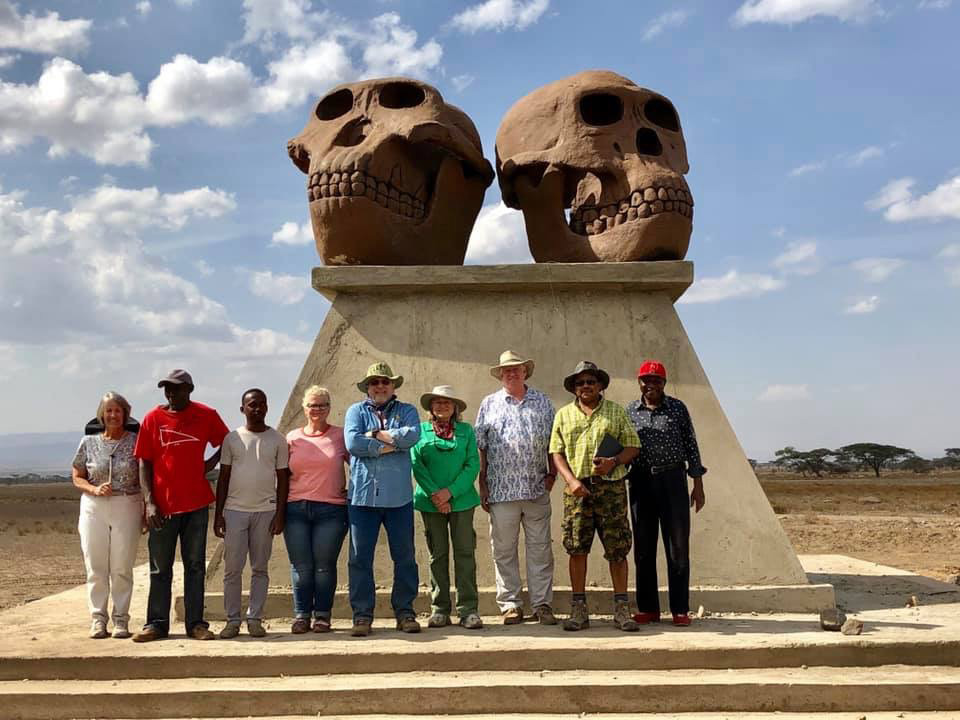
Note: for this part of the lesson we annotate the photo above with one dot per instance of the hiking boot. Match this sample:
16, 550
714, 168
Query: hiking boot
361, 627
645, 618
121, 630
622, 619
513, 616
471, 621
579, 617
98, 630
438, 620
300, 626
148, 634
543, 614
230, 630
682, 620
200, 632
408, 624
255, 628
322, 625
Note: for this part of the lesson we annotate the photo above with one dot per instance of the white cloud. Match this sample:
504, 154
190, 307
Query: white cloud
863, 306
220, 91
305, 72
290, 233
462, 82
807, 168
950, 251
664, 21
862, 156
7, 60
788, 12
184, 3
498, 237
800, 258
279, 288
144, 7
781, 393
731, 285
877, 270
263, 20
953, 275
46, 34
500, 15
934, 4
203, 267
392, 49
899, 204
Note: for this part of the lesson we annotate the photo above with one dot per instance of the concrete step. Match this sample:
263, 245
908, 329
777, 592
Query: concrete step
814, 689
891, 715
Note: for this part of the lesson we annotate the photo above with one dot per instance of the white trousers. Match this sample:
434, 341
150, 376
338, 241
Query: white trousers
109, 535
506, 519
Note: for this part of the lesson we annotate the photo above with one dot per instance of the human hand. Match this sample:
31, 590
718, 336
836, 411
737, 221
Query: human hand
219, 526
385, 437
577, 488
386, 449
484, 492
441, 497
604, 466
105, 490
154, 519
444, 508
276, 525
549, 481
697, 497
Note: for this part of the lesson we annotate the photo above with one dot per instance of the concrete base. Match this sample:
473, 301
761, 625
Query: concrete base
449, 324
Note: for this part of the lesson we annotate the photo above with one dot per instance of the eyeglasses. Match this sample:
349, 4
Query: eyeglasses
379, 381
587, 381
318, 406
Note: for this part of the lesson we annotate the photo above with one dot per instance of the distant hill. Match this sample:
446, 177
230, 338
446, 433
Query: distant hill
38, 452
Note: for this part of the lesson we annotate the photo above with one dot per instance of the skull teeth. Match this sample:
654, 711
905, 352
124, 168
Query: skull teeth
639, 204
348, 182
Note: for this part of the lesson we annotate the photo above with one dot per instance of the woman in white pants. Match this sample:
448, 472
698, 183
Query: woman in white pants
111, 515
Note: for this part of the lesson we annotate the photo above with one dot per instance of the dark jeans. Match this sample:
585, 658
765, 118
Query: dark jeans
661, 500
314, 534
365, 525
191, 529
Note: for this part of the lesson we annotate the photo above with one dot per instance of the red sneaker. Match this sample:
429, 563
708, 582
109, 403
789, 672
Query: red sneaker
645, 618
682, 620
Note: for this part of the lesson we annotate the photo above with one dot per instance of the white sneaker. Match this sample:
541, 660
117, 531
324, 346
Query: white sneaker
98, 630
121, 630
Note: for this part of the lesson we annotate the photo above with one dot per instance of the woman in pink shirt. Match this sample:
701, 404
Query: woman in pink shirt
316, 522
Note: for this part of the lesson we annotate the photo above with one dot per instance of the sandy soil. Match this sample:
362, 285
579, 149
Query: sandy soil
915, 526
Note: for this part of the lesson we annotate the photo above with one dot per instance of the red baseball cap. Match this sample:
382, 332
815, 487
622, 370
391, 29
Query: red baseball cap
652, 367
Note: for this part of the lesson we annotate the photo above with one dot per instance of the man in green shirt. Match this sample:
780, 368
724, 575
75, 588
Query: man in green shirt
595, 498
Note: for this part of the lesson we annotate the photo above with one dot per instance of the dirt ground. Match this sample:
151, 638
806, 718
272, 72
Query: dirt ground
907, 522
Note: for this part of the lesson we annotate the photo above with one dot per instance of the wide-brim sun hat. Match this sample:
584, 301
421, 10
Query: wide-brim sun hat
508, 358
445, 392
379, 369
585, 366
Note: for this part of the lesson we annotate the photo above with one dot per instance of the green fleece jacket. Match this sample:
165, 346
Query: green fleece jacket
439, 463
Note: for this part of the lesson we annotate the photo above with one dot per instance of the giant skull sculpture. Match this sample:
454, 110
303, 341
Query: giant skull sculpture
609, 151
395, 176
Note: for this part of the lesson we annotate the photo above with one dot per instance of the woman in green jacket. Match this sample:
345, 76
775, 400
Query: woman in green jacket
445, 466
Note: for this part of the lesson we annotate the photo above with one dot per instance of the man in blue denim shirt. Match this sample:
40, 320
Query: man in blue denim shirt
379, 432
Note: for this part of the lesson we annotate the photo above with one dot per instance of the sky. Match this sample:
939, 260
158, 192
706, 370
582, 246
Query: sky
150, 217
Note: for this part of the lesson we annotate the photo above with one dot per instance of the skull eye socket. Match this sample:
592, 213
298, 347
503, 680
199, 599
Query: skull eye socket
399, 95
335, 105
660, 112
601, 109
648, 143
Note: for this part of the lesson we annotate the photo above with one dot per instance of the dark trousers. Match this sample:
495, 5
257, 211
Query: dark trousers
661, 503
191, 529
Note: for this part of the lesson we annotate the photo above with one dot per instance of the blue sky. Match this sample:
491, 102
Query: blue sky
150, 217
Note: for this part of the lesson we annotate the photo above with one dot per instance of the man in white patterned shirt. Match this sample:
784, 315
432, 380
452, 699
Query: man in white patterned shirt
516, 476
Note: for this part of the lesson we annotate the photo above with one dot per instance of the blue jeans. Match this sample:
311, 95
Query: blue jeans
191, 529
314, 533
365, 525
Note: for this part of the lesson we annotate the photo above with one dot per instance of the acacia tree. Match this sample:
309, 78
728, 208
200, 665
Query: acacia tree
952, 457
805, 461
873, 455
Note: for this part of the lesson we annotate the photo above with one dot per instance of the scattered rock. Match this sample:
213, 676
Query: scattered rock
701, 613
870, 500
852, 626
954, 579
913, 601
832, 619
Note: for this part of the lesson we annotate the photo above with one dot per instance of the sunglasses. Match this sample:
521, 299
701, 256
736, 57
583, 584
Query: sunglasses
581, 383
379, 381
318, 406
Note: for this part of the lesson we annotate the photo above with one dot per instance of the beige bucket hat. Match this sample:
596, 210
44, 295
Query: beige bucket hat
442, 391
379, 369
508, 358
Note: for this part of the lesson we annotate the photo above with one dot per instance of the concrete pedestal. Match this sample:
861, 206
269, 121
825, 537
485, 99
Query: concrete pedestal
447, 325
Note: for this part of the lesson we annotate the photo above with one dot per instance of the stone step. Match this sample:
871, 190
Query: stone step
890, 715
814, 689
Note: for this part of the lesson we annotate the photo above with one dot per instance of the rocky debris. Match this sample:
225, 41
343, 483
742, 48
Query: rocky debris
832, 619
953, 579
913, 601
701, 613
852, 626
869, 500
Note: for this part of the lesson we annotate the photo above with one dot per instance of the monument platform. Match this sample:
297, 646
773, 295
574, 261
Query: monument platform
726, 664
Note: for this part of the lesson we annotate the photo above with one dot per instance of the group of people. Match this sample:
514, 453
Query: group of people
616, 464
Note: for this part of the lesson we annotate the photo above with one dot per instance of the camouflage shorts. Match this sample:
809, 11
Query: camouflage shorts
603, 511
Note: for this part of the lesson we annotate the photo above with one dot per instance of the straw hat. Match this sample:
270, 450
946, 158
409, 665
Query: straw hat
445, 392
585, 366
379, 369
508, 358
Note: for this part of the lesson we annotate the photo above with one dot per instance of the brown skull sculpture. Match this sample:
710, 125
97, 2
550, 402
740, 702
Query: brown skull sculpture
609, 151
395, 176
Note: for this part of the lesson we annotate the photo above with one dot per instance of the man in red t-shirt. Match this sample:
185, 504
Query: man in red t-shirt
170, 447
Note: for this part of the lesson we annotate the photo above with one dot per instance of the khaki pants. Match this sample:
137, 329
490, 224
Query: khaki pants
506, 518
246, 533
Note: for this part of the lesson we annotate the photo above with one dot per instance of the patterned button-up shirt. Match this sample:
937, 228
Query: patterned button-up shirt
515, 435
577, 436
666, 432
